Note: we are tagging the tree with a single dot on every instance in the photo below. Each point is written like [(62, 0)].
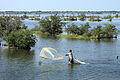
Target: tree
[(8, 24), (25, 15), (110, 18), (87, 26), (110, 30), (83, 29), (52, 25), (22, 39), (14, 32), (97, 31), (117, 15), (82, 17), (74, 29)]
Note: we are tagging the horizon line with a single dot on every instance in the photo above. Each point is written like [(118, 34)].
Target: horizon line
[(60, 10)]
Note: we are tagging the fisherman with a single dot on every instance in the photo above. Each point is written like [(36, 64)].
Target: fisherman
[(70, 55), (117, 57)]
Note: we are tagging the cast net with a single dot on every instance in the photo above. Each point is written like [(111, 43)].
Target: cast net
[(50, 54)]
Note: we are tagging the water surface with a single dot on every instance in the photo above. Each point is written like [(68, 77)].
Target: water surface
[(100, 57)]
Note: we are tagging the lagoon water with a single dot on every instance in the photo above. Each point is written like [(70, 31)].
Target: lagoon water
[(100, 57)]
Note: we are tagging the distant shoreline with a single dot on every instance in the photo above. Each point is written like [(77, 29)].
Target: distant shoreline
[(87, 12)]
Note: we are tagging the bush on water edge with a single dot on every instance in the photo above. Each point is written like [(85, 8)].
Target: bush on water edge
[(75, 36), (81, 37), (22, 39), (15, 33)]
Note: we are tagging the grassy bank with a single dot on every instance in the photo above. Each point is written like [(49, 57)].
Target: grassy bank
[(82, 37), (75, 36), (71, 36), (37, 32)]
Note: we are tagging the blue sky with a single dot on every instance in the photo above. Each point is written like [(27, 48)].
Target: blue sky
[(58, 5)]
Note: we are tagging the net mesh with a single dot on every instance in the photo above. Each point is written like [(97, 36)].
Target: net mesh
[(50, 54)]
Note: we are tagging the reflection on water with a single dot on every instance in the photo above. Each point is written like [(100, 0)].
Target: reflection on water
[(72, 71), (48, 37), (15, 53), (15, 64)]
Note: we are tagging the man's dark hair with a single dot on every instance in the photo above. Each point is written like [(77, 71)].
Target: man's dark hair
[(70, 50)]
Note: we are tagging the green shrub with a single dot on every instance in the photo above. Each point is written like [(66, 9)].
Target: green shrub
[(22, 39), (52, 25), (74, 29), (9, 24)]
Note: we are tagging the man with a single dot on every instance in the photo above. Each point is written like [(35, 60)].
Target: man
[(117, 57), (70, 55)]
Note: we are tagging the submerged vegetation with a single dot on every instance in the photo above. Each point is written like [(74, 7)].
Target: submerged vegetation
[(84, 31), (23, 39), (52, 25), (71, 15), (15, 33), (95, 19), (76, 32)]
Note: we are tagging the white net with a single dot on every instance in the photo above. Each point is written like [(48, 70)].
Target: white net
[(50, 54)]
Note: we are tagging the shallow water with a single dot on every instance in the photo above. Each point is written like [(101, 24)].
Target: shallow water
[(100, 57)]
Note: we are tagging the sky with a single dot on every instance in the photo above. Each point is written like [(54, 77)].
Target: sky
[(60, 5)]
